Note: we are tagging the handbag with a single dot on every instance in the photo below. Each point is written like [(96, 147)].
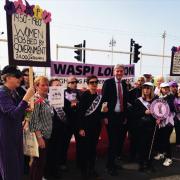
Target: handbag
[(30, 144)]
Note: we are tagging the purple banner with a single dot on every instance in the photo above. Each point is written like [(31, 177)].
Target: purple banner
[(64, 69)]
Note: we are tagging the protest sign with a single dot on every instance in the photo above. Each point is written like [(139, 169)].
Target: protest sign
[(66, 69), (28, 34), (62, 70), (56, 96), (175, 61)]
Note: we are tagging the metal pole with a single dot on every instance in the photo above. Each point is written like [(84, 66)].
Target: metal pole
[(109, 51), (57, 47), (112, 43), (140, 64), (112, 55), (164, 38), (84, 52), (131, 45)]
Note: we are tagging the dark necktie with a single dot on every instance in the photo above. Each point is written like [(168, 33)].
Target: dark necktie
[(120, 96)]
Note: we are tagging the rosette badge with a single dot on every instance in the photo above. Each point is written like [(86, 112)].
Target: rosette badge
[(159, 109)]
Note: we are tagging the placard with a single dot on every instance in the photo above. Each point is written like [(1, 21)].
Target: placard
[(28, 34), (175, 61), (65, 69), (56, 96)]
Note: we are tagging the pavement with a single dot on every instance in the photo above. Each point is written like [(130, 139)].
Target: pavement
[(129, 171)]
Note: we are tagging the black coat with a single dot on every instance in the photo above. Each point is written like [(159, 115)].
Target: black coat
[(109, 94), (140, 118), (71, 112)]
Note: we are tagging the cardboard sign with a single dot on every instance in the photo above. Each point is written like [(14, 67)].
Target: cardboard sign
[(56, 96), (28, 34), (175, 62)]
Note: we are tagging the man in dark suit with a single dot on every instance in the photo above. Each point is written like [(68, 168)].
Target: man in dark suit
[(114, 92)]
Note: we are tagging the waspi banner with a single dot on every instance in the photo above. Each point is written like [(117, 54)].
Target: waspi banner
[(64, 69)]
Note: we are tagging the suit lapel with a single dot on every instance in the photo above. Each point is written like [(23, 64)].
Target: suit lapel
[(114, 86)]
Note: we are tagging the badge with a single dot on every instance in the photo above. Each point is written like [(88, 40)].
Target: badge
[(159, 109)]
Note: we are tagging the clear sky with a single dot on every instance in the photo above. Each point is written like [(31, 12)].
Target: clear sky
[(97, 21)]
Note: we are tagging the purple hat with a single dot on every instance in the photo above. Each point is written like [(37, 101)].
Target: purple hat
[(173, 83)]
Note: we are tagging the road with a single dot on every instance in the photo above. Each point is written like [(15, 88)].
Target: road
[(130, 170)]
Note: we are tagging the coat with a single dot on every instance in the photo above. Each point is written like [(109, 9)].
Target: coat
[(11, 138)]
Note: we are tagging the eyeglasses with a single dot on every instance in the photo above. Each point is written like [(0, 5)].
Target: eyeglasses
[(73, 82), (25, 74), (16, 75), (93, 82)]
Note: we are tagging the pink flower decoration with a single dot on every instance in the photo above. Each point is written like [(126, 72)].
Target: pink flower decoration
[(46, 16), (20, 7), (178, 48)]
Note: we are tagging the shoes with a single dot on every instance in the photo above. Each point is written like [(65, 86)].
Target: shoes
[(159, 156), (112, 172), (118, 166), (55, 176), (63, 167), (93, 173), (167, 162)]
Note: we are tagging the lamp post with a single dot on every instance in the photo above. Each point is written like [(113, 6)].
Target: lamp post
[(164, 40), (112, 43)]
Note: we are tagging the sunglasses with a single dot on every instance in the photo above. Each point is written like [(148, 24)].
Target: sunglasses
[(73, 82), (25, 74), (16, 75), (93, 82)]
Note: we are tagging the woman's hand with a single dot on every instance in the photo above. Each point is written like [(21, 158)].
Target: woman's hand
[(147, 112), (158, 121), (73, 103), (41, 142), (25, 125), (105, 109), (30, 92), (82, 133)]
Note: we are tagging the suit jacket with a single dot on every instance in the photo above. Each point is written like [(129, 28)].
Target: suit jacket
[(109, 94)]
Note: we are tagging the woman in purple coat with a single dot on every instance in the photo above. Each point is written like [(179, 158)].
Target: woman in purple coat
[(11, 117)]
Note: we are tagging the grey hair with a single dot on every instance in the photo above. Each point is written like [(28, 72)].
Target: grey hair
[(119, 66)]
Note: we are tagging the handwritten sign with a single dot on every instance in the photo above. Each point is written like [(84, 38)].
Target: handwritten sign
[(175, 62), (28, 37), (56, 96)]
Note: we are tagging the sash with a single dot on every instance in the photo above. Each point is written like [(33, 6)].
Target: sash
[(61, 114), (145, 103), (94, 105)]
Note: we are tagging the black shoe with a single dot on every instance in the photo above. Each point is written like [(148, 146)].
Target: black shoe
[(141, 169), (56, 176), (150, 170), (112, 172), (63, 168), (93, 173), (118, 166)]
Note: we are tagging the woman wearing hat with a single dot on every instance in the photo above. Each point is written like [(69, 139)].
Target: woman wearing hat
[(165, 127), (11, 116), (145, 125)]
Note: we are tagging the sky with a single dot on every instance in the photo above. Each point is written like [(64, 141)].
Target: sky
[(97, 21)]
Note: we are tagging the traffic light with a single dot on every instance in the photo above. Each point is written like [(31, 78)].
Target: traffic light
[(78, 52), (136, 57)]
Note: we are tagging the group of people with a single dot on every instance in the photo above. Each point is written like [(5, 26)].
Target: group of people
[(121, 108)]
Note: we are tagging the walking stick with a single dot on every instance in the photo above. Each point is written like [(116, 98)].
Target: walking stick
[(152, 142)]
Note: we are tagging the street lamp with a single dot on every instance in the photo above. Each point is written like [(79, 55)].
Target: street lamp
[(164, 38), (112, 43)]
